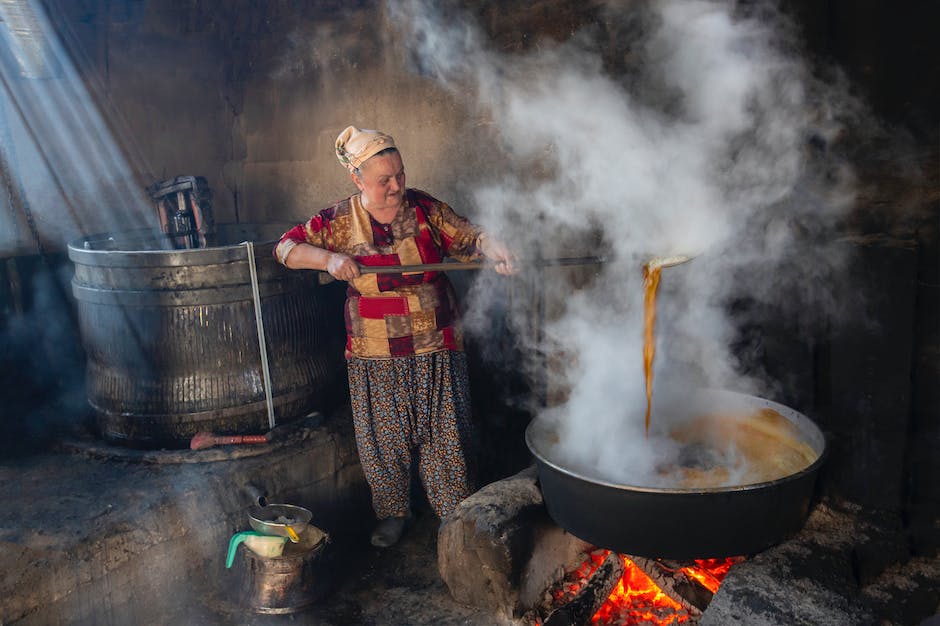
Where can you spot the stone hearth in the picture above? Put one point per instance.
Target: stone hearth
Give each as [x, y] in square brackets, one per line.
[501, 551]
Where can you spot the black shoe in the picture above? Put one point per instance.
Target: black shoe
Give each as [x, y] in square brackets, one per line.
[389, 531]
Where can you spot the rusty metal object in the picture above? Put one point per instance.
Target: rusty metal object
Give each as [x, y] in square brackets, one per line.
[204, 440]
[184, 208]
[283, 584]
[172, 343]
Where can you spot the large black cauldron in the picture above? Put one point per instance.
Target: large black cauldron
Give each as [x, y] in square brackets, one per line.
[680, 523]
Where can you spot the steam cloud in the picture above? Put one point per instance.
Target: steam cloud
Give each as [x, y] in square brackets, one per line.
[714, 143]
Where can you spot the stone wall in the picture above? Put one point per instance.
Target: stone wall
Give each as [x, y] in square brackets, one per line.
[251, 96]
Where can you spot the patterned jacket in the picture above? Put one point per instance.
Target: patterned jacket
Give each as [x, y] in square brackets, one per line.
[392, 315]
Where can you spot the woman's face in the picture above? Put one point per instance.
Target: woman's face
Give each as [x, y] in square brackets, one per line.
[382, 182]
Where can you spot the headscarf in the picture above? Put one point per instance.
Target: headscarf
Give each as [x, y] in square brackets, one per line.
[355, 146]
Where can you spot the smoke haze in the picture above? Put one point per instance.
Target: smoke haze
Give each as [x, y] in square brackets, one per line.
[714, 143]
[64, 174]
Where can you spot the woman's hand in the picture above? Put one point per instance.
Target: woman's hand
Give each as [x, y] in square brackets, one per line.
[342, 266]
[496, 250]
[305, 256]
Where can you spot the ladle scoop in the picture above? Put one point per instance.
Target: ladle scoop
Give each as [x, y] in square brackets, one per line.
[666, 261]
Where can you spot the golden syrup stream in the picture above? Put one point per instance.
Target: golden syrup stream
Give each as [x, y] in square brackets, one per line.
[651, 274]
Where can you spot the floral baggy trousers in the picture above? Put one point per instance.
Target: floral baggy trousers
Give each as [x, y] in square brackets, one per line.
[413, 408]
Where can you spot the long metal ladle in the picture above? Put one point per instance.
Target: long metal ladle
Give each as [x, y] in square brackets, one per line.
[474, 265]
[449, 266]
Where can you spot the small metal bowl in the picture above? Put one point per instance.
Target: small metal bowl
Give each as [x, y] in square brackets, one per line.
[274, 519]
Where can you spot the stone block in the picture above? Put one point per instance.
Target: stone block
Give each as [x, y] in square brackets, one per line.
[808, 580]
[847, 566]
[882, 543]
[500, 551]
[907, 593]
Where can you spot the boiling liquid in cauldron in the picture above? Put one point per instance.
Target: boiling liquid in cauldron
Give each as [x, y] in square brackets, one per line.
[734, 449]
[720, 449]
[710, 448]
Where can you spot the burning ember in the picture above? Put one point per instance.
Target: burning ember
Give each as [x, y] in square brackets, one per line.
[638, 600]
[710, 572]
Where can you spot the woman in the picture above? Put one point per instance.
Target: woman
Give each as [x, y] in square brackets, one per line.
[407, 370]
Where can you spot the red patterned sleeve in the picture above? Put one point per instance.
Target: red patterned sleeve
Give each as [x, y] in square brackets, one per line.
[457, 235]
[316, 231]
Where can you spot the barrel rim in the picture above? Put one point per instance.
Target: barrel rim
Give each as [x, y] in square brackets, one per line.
[78, 253]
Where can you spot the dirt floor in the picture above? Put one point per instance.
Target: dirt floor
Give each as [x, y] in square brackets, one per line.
[97, 535]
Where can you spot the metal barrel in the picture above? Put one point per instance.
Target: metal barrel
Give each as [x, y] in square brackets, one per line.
[172, 343]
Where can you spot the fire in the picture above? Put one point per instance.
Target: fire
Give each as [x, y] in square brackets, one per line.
[576, 580]
[710, 572]
[637, 600]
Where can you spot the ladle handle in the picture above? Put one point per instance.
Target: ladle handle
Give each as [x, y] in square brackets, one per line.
[473, 265]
